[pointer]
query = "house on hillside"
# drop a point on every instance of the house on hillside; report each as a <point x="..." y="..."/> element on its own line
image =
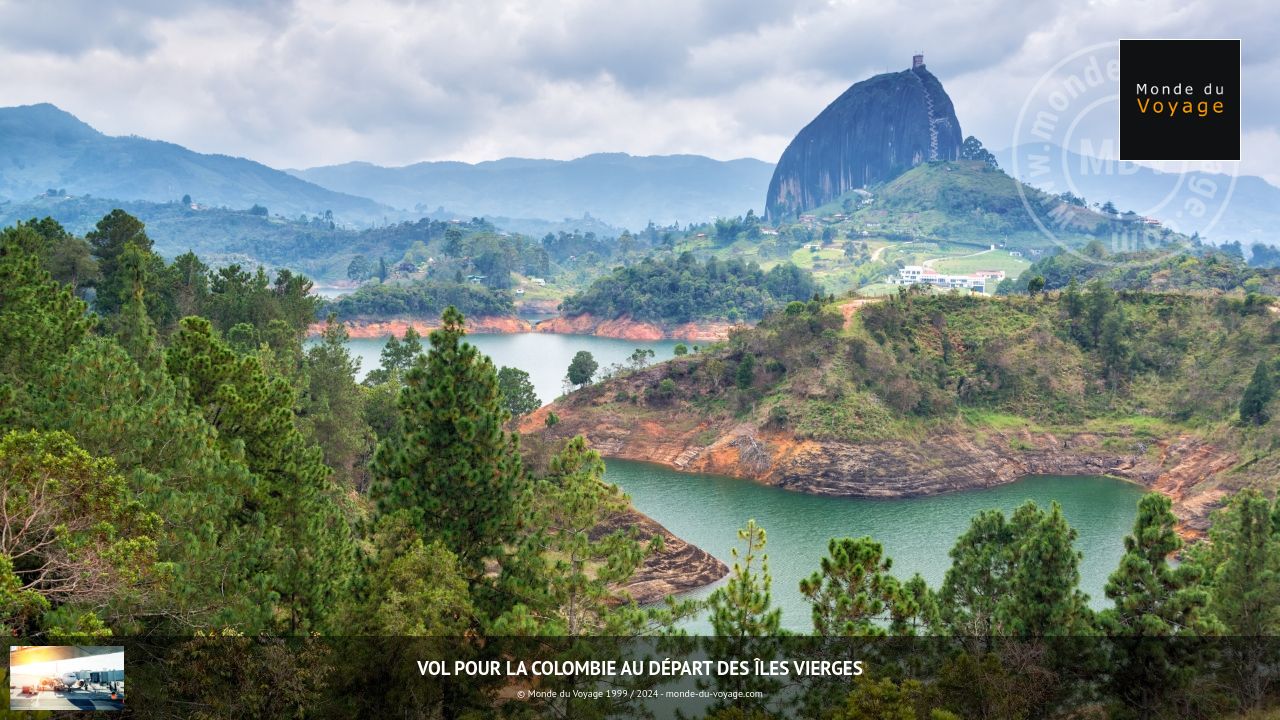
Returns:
<point x="977" y="281"/>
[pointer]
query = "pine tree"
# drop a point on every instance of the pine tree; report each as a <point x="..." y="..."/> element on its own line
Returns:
<point x="854" y="594"/>
<point x="518" y="395"/>
<point x="452" y="467"/>
<point x="744" y="622"/>
<point x="109" y="240"/>
<point x="1152" y="603"/>
<point x="1257" y="395"/>
<point x="743" y="606"/>
<point x="133" y="326"/>
<point x="1043" y="598"/>
<point x="982" y="564"/>
<point x="398" y="355"/>
<point x="1151" y="598"/>
<point x="213" y="548"/>
<point x="1246" y="576"/>
<point x="582" y="567"/>
<point x="311" y="566"/>
<point x="332" y="409"/>
<point x="1242" y="566"/>
<point x="40" y="321"/>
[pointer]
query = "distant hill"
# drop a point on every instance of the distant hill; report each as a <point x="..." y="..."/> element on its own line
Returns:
<point x="875" y="131"/>
<point x="970" y="202"/>
<point x="222" y="236"/>
<point x="43" y="147"/>
<point x="1252" y="215"/>
<point x="619" y="189"/>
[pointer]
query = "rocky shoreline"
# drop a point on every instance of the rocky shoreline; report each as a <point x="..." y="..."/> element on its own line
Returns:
<point x="627" y="329"/>
<point x="621" y="329"/>
<point x="381" y="328"/>
<point x="679" y="567"/>
<point x="1187" y="469"/>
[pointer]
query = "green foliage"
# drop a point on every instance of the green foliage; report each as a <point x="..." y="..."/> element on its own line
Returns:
<point x="294" y="496"/>
<point x="360" y="269"/>
<point x="421" y="298"/>
<point x="518" y="395"/>
<point x="408" y="588"/>
<point x="237" y="296"/>
<point x="109" y="240"/>
<point x="1035" y="284"/>
<point x="39" y="319"/>
<point x="854" y="594"/>
<point x="583" y="553"/>
<point x="1257" y="395"/>
<point x="1016" y="577"/>
<point x="1190" y="267"/>
<point x="681" y="350"/>
<point x="453" y="468"/>
<point x="397" y="357"/>
<point x="73" y="535"/>
<point x="972" y="149"/>
<point x="64" y="256"/>
<point x="1242" y="566"/>
<point x="209" y="549"/>
<point x="331" y="407"/>
<point x="743" y="606"/>
<point x="745" y="375"/>
<point x="582" y="368"/>
<point x="682" y="289"/>
<point x="1154" y="600"/>
<point x="1043" y="597"/>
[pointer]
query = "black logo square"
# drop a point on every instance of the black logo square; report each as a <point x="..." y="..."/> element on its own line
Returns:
<point x="1180" y="99"/>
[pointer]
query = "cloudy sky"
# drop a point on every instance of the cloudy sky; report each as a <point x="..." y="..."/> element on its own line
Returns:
<point x="311" y="82"/>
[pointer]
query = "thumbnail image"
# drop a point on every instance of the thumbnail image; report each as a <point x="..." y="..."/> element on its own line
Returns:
<point x="66" y="677"/>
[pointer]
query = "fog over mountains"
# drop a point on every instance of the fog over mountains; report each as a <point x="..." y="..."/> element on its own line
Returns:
<point x="43" y="147"/>
<point x="620" y="189"/>
<point x="1251" y="215"/>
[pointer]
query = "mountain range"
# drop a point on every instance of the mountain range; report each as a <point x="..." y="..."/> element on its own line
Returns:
<point x="44" y="148"/>
<point x="1251" y="215"/>
<point x="620" y="189"/>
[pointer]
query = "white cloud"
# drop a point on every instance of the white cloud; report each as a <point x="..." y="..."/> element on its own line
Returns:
<point x="319" y="81"/>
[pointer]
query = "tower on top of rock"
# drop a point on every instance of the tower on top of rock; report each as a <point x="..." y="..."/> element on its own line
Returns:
<point x="917" y="61"/>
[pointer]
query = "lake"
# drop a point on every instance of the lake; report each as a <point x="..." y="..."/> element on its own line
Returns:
<point x="707" y="510"/>
<point x="917" y="533"/>
<point x="544" y="356"/>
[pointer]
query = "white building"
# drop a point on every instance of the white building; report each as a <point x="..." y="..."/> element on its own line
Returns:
<point x="980" y="281"/>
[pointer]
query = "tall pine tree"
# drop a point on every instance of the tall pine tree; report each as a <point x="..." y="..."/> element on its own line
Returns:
<point x="452" y="467"/>
<point x="253" y="412"/>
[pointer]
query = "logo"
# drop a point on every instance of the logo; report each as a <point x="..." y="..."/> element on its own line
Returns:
<point x="1066" y="144"/>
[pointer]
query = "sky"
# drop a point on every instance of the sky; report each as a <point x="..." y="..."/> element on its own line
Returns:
<point x="301" y="83"/>
<point x="55" y="668"/>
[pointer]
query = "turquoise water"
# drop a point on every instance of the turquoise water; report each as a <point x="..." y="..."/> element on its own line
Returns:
<point x="707" y="510"/>
<point x="544" y="356"/>
<point x="916" y="532"/>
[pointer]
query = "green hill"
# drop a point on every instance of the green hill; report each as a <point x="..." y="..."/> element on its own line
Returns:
<point x="973" y="203"/>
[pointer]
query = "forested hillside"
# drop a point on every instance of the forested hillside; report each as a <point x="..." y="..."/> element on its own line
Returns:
<point x="177" y="461"/>
<point x="682" y="289"/>
<point x="1197" y="268"/>
<point x="177" y="464"/>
